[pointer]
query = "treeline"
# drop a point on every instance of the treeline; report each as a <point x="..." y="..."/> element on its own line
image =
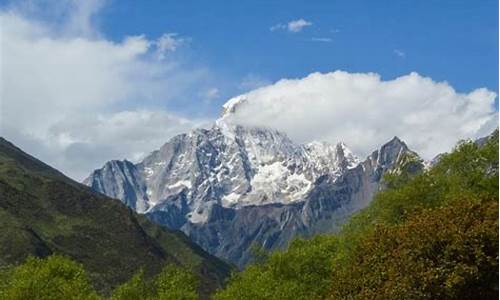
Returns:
<point x="58" y="277"/>
<point x="427" y="236"/>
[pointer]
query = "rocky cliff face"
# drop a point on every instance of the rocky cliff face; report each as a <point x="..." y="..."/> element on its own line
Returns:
<point x="230" y="186"/>
<point x="230" y="232"/>
<point x="122" y="180"/>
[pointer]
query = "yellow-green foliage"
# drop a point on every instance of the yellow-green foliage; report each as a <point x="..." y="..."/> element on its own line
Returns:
<point x="470" y="172"/>
<point x="430" y="236"/>
<point x="59" y="278"/>
<point x="449" y="252"/>
<point x="54" y="278"/>
<point x="137" y="288"/>
<point x="302" y="272"/>
<point x="173" y="283"/>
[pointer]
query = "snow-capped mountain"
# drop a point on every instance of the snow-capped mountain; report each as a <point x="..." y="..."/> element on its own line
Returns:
<point x="230" y="186"/>
<point x="229" y="165"/>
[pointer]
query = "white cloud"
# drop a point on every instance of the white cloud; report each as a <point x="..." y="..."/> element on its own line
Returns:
<point x="365" y="111"/>
<point x="168" y="42"/>
<point x="292" y="26"/>
<point x="70" y="96"/>
<point x="298" y="25"/>
<point x="67" y="88"/>
<point x="400" y="53"/>
<point x="61" y="17"/>
<point x="78" y="143"/>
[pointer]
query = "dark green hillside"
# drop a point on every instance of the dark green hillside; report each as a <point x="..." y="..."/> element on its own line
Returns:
<point x="427" y="236"/>
<point x="42" y="212"/>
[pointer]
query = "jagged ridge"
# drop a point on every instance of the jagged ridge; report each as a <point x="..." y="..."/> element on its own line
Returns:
<point x="230" y="186"/>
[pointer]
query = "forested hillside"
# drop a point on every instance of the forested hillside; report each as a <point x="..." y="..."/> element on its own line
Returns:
<point x="430" y="236"/>
<point x="44" y="213"/>
<point x="433" y="235"/>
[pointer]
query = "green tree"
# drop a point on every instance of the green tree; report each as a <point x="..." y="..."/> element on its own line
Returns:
<point x="301" y="272"/>
<point x="137" y="288"/>
<point x="470" y="171"/>
<point x="427" y="236"/>
<point x="55" y="277"/>
<point x="174" y="283"/>
<point x="449" y="252"/>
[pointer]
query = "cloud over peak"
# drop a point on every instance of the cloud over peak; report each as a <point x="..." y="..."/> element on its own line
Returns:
<point x="365" y="111"/>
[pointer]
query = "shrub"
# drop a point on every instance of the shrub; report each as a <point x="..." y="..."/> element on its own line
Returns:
<point x="55" y="277"/>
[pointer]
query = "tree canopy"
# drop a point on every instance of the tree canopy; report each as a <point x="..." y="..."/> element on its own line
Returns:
<point x="54" y="278"/>
<point x="428" y="236"/>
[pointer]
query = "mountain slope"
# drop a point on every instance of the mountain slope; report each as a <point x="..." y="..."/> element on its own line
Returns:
<point x="230" y="186"/>
<point x="234" y="165"/>
<point x="428" y="236"/>
<point x="43" y="212"/>
<point x="230" y="232"/>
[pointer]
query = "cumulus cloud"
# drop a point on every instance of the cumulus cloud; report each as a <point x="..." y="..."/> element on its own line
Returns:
<point x="365" y="111"/>
<point x="76" y="99"/>
<point x="298" y="25"/>
<point x="78" y="143"/>
<point x="293" y="26"/>
<point x="77" y="17"/>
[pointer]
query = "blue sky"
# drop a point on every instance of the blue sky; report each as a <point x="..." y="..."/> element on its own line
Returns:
<point x="456" y="41"/>
<point x="93" y="80"/>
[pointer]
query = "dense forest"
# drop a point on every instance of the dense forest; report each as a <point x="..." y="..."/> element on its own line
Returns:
<point x="432" y="235"/>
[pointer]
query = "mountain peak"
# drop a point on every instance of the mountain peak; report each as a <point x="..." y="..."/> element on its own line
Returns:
<point x="394" y="145"/>
<point x="346" y="157"/>
<point x="117" y="162"/>
<point x="231" y="105"/>
<point x="342" y="148"/>
<point x="391" y="153"/>
<point x="396" y="140"/>
<point x="213" y="175"/>
<point x="121" y="179"/>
